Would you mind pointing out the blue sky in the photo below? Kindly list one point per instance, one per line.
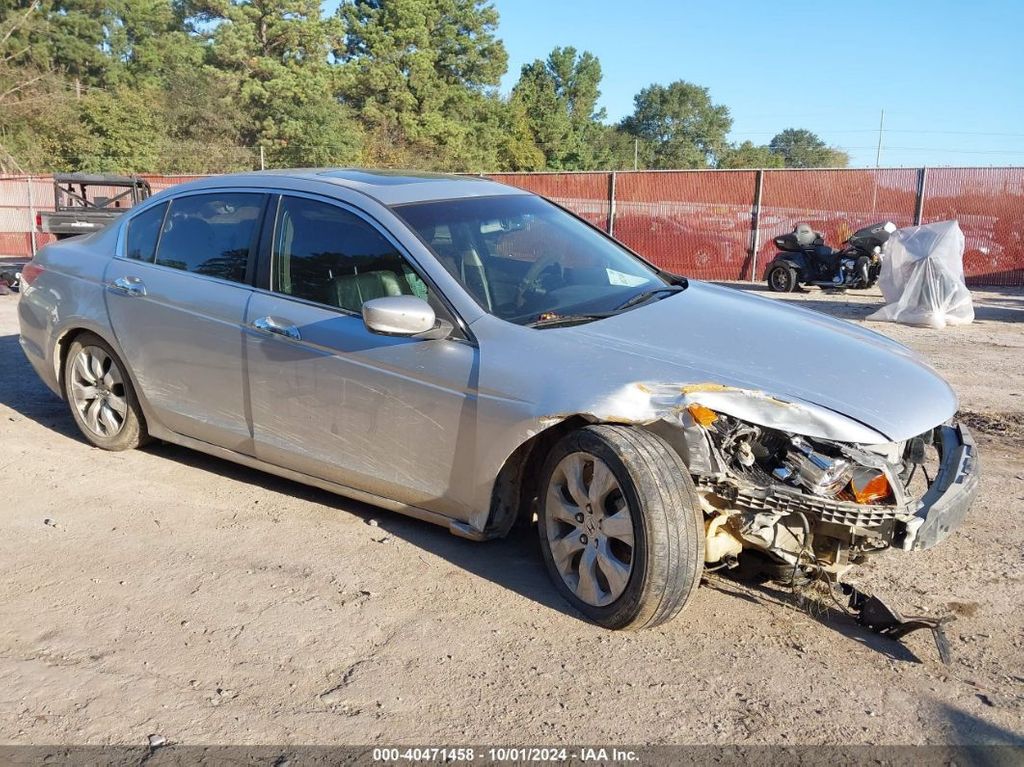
(950, 75)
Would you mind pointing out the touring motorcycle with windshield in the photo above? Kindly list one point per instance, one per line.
(805, 259)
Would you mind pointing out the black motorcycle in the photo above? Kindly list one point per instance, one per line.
(805, 259)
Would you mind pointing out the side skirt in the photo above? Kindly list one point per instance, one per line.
(456, 527)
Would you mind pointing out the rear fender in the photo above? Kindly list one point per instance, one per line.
(796, 261)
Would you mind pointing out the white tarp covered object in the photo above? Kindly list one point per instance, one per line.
(922, 277)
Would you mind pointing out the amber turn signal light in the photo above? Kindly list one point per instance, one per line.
(702, 415)
(875, 489)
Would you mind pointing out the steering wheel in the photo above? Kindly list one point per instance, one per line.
(531, 281)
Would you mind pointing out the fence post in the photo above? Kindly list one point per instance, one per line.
(611, 205)
(922, 178)
(755, 225)
(31, 218)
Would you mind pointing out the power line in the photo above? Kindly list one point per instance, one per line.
(890, 130)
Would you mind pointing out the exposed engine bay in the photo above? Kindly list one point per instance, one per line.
(814, 505)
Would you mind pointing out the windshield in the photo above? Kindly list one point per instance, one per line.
(527, 261)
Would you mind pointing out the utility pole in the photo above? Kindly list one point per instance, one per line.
(636, 152)
(263, 159)
(878, 152)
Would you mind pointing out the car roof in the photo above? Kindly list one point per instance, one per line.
(389, 187)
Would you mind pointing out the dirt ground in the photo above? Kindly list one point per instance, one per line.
(162, 591)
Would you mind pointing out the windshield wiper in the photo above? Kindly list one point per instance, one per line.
(551, 321)
(640, 298)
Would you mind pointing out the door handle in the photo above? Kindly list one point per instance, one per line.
(128, 286)
(277, 327)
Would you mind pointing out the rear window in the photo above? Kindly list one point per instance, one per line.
(211, 234)
(143, 232)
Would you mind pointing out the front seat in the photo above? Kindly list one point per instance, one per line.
(351, 291)
(473, 275)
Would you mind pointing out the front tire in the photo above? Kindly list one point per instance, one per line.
(101, 397)
(782, 278)
(621, 528)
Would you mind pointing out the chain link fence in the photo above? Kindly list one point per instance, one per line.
(717, 224)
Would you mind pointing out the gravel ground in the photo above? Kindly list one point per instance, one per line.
(162, 591)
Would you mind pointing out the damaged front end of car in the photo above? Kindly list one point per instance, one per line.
(808, 489)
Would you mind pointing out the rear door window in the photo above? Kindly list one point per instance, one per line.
(143, 232)
(211, 234)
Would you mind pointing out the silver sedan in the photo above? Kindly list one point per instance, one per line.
(475, 356)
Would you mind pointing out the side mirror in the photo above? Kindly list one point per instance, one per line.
(404, 316)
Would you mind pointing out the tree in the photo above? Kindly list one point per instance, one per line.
(28, 87)
(278, 56)
(421, 73)
(678, 126)
(517, 149)
(76, 40)
(800, 148)
(559, 98)
(747, 155)
(112, 132)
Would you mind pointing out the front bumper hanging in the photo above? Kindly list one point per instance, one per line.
(949, 497)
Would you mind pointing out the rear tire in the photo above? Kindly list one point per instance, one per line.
(782, 278)
(101, 397)
(621, 527)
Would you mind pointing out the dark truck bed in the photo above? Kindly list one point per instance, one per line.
(85, 202)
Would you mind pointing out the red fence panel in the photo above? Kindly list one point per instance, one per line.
(21, 197)
(585, 194)
(695, 223)
(989, 204)
(699, 222)
(834, 202)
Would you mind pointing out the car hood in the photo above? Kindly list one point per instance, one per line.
(717, 339)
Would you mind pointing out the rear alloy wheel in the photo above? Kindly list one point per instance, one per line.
(782, 279)
(101, 397)
(620, 526)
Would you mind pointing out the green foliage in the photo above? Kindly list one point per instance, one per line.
(112, 132)
(800, 148)
(420, 72)
(206, 86)
(278, 55)
(559, 100)
(747, 155)
(678, 126)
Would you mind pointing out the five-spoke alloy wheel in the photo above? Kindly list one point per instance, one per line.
(621, 528)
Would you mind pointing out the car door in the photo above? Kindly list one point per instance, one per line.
(392, 416)
(176, 299)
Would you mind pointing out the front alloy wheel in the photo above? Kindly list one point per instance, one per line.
(589, 529)
(620, 526)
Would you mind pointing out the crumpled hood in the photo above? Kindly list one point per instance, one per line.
(721, 336)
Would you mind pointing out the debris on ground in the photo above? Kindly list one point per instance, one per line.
(1007, 425)
(873, 613)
